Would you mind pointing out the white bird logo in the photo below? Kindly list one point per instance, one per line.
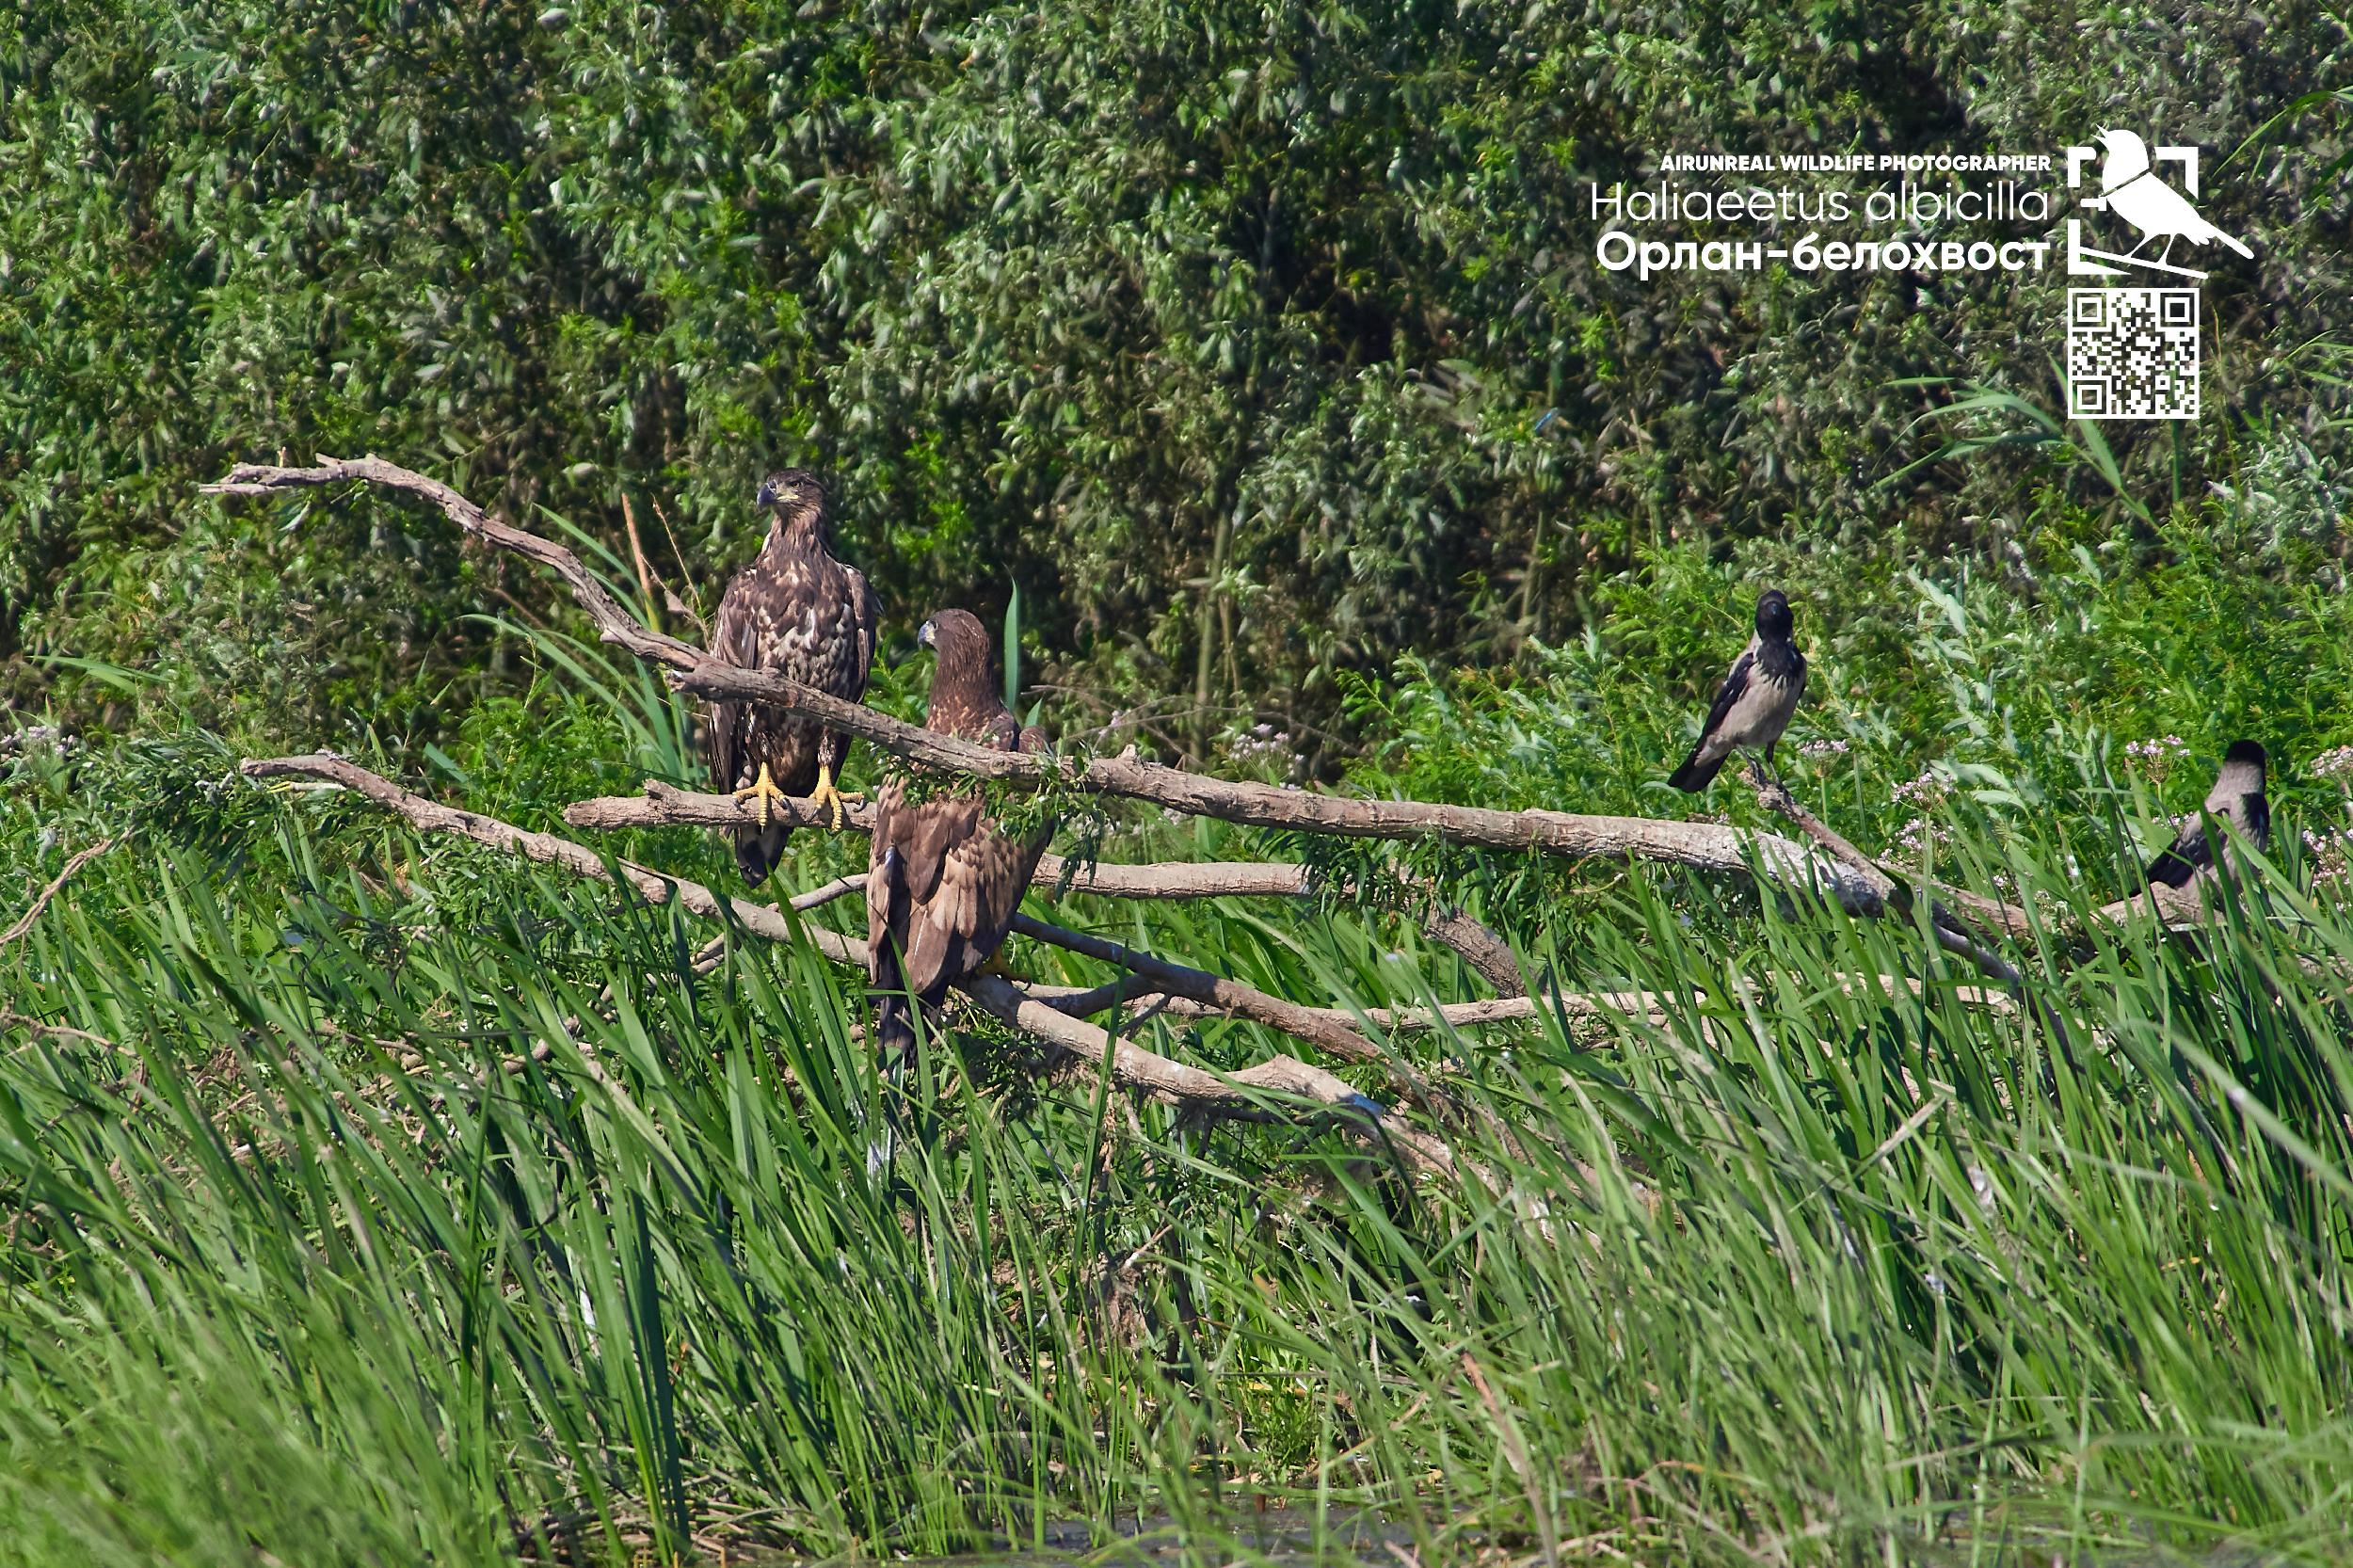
(2130, 187)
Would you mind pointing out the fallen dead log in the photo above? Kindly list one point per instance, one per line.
(667, 806)
(1079, 1045)
(1704, 846)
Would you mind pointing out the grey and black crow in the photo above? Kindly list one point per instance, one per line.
(802, 611)
(1754, 703)
(2237, 800)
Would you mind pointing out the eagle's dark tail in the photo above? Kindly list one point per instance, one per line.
(895, 1048)
(894, 1036)
(758, 850)
(1695, 775)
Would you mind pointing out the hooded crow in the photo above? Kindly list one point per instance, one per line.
(2237, 801)
(1754, 703)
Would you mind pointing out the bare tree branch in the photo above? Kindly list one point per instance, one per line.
(1648, 1006)
(650, 884)
(1085, 1046)
(81, 857)
(1479, 945)
(2171, 905)
(1329, 1030)
(10, 1018)
(1949, 932)
(667, 806)
(1180, 1083)
(1705, 846)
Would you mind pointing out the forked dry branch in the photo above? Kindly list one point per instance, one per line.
(1254, 1093)
(1828, 866)
(1704, 846)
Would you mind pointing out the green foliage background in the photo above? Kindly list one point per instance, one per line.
(375, 1199)
(1223, 329)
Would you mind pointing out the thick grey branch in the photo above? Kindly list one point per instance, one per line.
(667, 806)
(1243, 1093)
(577, 858)
(1704, 846)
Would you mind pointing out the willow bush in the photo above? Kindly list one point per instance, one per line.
(1256, 345)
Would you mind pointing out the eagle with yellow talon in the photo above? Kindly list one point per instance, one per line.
(801, 612)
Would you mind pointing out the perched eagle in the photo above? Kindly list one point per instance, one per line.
(800, 612)
(942, 882)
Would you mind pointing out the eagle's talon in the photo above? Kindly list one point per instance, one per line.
(827, 794)
(761, 791)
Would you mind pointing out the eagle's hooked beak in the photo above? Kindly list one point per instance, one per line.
(923, 638)
(771, 496)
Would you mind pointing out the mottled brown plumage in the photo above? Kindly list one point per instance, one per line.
(799, 612)
(942, 882)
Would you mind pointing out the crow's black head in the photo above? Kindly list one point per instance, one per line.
(2247, 752)
(1772, 614)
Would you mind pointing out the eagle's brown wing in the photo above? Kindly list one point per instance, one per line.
(754, 629)
(907, 861)
(866, 616)
(733, 639)
(904, 865)
(942, 884)
(964, 922)
(981, 874)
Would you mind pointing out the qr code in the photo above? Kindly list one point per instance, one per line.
(2131, 353)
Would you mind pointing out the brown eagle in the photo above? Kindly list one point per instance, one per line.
(800, 612)
(942, 881)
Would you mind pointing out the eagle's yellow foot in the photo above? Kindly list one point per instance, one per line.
(763, 792)
(826, 795)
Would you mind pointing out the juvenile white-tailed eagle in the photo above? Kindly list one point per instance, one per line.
(797, 611)
(942, 881)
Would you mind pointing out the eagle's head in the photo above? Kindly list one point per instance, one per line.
(793, 497)
(963, 698)
(955, 635)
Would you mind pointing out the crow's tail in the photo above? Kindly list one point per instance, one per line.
(1695, 775)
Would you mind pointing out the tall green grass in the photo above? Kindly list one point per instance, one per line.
(423, 1206)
